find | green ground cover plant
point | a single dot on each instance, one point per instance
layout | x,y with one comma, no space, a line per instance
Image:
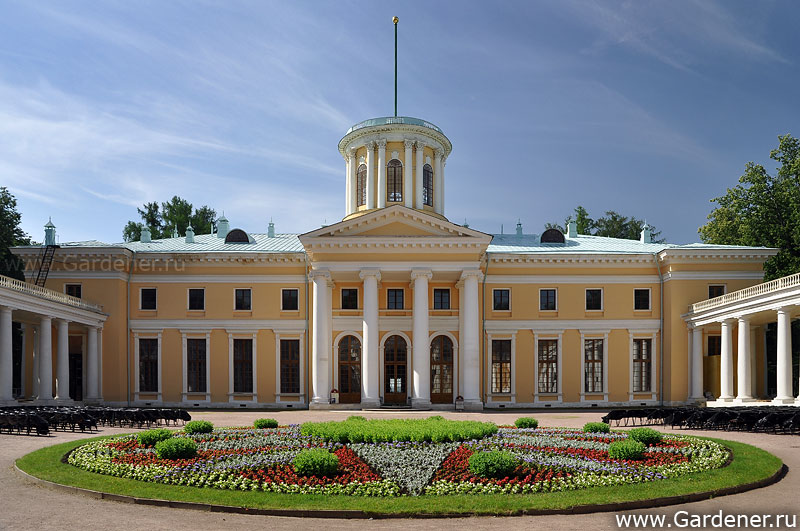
355,430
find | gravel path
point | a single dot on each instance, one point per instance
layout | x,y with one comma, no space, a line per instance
25,504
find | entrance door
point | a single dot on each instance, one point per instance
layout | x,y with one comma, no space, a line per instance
76,368
349,370
395,376
441,370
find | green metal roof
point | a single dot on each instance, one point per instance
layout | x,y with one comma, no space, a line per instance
388,120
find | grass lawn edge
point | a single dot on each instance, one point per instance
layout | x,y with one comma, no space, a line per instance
750,468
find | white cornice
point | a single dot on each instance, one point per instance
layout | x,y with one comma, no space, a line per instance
572,259
571,279
573,324
397,266
288,325
713,275
220,279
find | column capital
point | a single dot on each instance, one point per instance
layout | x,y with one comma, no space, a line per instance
4,309
743,319
319,273
420,144
43,318
370,145
370,272
786,310
419,273
467,273
381,143
59,320
437,153
730,321
351,153
408,143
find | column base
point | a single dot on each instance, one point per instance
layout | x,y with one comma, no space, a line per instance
724,399
370,403
64,401
421,403
8,402
473,405
44,402
743,399
319,403
783,401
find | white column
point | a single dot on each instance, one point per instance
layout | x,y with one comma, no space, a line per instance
743,362
784,357
92,364
438,183
37,335
370,369
471,341
370,161
351,181
421,388
697,363
62,360
726,361
420,163
45,359
347,189
461,351
6,357
441,191
320,346
408,175
381,173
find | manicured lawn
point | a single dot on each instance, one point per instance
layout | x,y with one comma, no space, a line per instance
750,464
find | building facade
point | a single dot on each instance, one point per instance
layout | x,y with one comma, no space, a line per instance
394,305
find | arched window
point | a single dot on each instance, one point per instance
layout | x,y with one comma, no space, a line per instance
361,185
427,185
394,181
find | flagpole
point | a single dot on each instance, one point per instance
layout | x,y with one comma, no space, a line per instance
395,20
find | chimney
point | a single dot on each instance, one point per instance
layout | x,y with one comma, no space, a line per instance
49,233
572,229
519,227
271,229
646,235
145,237
189,234
223,227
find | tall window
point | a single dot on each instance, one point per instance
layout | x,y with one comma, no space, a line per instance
148,365
394,181
350,299
594,299
361,185
547,299
242,365
714,345
642,365
289,299
641,299
501,299
394,299
196,366
441,299
548,365
427,185
243,299
290,365
593,365
501,365
197,299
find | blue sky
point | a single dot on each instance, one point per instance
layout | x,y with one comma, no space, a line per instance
647,108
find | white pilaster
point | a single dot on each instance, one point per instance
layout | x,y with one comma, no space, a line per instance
45,359
408,175
441,190
438,183
471,340
92,361
697,363
784,357
370,175
320,346
726,362
459,388
418,203
743,375
421,387
37,335
351,181
6,357
370,360
381,173
62,360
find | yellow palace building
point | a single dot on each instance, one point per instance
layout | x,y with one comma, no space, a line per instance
395,305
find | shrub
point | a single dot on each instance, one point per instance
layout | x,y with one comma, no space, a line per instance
436,417
262,424
198,426
596,427
356,417
626,449
526,422
177,448
316,462
494,464
150,437
387,430
646,436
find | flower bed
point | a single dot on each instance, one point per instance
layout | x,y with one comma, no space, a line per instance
262,460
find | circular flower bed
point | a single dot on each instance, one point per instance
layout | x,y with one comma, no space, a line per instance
542,460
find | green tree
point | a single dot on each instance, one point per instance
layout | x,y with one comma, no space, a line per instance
763,210
611,225
164,219
10,235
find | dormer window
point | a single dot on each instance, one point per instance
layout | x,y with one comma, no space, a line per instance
552,236
237,236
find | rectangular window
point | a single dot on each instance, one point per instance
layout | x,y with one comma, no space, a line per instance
350,299
290,299
502,299
242,365
290,365
548,366
148,365
547,299
593,365
197,299
716,291
714,345
243,299
441,299
594,299
394,299
196,366
642,365
641,299
148,298
501,366
73,290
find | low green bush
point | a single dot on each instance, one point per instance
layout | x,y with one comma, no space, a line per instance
150,437
356,417
626,449
198,426
494,464
316,462
177,448
262,424
646,436
386,430
596,427
526,422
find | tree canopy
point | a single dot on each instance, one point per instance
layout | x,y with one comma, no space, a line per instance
763,210
171,217
611,225
11,234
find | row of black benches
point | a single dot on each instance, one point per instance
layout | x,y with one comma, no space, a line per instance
769,419
41,420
